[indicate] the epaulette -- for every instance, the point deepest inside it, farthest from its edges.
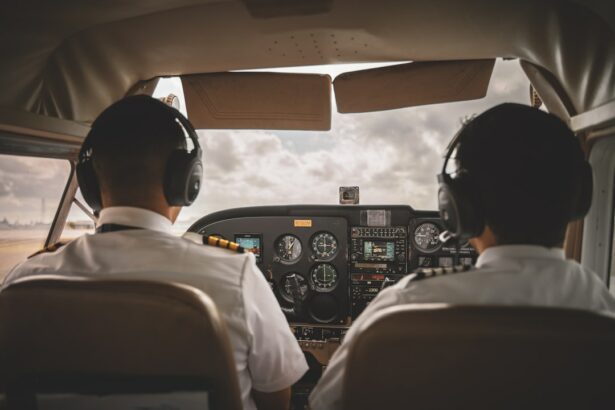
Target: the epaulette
(425, 273)
(48, 249)
(222, 243)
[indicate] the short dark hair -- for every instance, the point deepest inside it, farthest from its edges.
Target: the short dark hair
(524, 167)
(131, 142)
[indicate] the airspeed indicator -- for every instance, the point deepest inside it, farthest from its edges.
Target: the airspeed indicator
(426, 237)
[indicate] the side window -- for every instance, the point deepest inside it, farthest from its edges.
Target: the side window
(30, 192)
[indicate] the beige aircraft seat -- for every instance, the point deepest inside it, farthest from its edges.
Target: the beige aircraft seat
(91, 343)
(468, 357)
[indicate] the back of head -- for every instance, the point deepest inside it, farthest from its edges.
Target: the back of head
(525, 167)
(132, 141)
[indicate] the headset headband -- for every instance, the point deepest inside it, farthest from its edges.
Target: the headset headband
(178, 116)
(450, 148)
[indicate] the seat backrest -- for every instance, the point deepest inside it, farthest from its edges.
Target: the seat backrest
(487, 357)
(109, 337)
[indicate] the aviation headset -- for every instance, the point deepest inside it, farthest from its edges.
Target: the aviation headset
(183, 171)
(460, 207)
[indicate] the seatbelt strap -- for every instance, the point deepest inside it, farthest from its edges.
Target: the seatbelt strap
(114, 228)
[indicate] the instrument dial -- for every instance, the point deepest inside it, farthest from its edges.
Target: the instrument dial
(288, 248)
(286, 286)
(324, 277)
(324, 245)
(426, 237)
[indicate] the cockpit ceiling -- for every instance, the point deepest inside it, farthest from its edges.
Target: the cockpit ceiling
(70, 59)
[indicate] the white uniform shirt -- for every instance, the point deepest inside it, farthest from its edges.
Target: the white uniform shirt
(505, 275)
(267, 356)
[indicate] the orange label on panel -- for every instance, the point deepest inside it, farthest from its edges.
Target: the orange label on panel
(303, 223)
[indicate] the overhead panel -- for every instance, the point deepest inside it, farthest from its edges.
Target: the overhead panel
(260, 100)
(412, 84)
(286, 8)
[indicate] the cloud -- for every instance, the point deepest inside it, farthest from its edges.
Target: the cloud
(393, 156)
(26, 184)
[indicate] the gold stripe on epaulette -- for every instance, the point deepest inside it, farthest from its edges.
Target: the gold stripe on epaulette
(426, 273)
(222, 243)
(48, 249)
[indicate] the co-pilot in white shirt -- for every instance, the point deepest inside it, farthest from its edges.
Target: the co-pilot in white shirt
(267, 355)
(504, 275)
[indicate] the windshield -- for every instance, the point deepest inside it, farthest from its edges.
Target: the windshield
(393, 156)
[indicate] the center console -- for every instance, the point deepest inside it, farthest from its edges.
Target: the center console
(377, 258)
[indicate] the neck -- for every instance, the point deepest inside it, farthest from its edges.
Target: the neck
(485, 241)
(154, 205)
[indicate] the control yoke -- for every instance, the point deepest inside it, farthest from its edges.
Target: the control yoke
(294, 289)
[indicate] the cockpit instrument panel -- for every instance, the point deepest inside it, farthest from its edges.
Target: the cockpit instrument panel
(325, 264)
(306, 256)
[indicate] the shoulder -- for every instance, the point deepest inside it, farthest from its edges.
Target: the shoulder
(210, 253)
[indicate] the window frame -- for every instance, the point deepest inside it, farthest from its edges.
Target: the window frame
(66, 200)
(599, 222)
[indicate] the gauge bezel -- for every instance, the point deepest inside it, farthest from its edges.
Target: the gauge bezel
(417, 246)
(282, 289)
(277, 254)
(330, 257)
(318, 288)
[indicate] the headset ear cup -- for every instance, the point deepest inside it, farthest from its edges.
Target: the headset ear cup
(88, 183)
(585, 191)
(458, 209)
(183, 175)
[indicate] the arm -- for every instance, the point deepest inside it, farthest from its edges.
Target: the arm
(328, 392)
(278, 400)
(275, 359)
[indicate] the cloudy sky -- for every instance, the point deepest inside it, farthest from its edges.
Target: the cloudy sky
(393, 156)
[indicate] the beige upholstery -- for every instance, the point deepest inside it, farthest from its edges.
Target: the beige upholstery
(76, 334)
(441, 357)
(71, 59)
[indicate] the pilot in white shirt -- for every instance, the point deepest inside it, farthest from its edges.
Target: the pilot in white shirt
(522, 178)
(133, 242)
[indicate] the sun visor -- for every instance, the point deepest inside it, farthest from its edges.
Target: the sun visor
(277, 101)
(412, 84)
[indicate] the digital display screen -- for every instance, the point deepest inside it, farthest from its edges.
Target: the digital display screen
(252, 243)
(379, 250)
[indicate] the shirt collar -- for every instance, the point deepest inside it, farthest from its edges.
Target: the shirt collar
(137, 217)
(494, 254)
